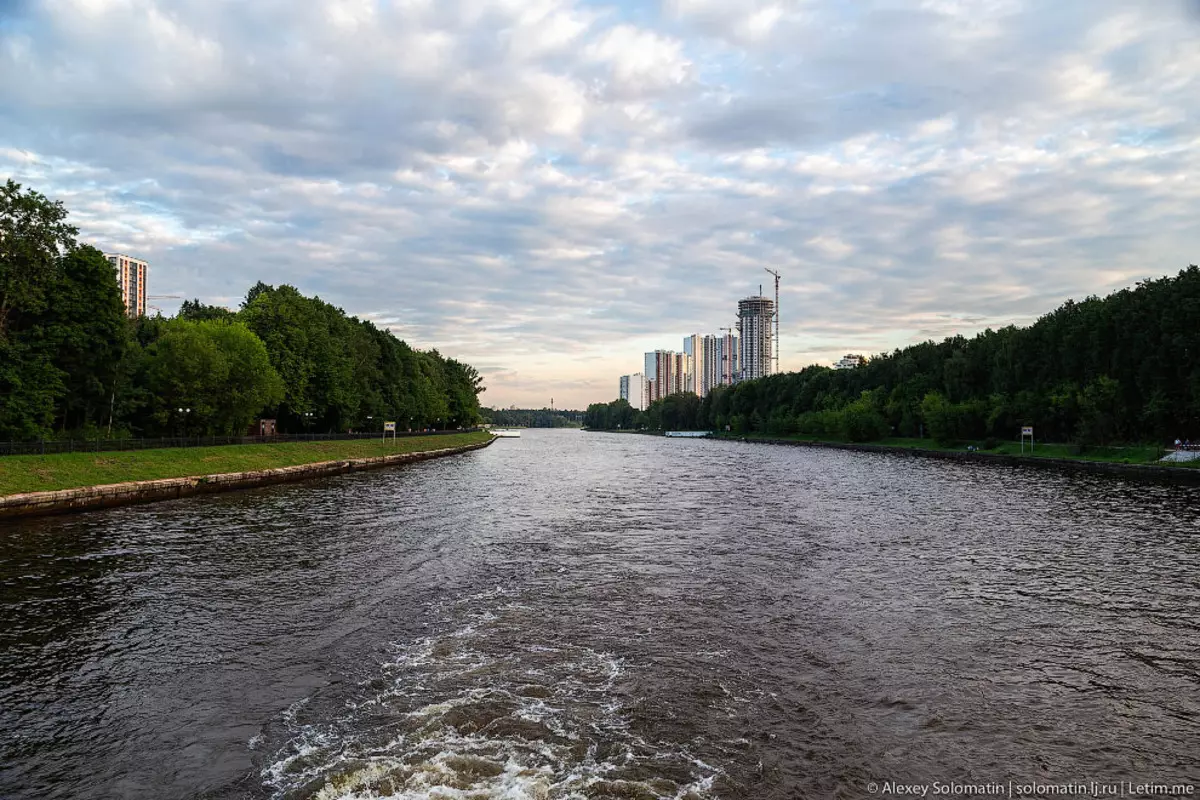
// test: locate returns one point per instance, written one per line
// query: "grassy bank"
(1130, 454)
(72, 470)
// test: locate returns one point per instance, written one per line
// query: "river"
(580, 615)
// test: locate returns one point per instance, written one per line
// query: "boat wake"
(475, 713)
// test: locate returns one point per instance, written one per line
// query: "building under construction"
(756, 316)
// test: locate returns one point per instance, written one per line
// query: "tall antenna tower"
(776, 274)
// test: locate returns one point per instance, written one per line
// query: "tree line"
(1124, 368)
(533, 417)
(73, 363)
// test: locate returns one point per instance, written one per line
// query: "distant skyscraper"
(693, 348)
(666, 372)
(654, 371)
(728, 344)
(708, 371)
(755, 318)
(681, 370)
(131, 277)
(634, 390)
(709, 367)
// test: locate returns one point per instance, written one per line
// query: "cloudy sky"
(547, 188)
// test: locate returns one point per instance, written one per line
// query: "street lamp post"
(183, 412)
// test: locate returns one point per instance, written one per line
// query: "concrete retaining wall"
(121, 494)
(1144, 471)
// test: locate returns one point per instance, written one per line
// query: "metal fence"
(46, 446)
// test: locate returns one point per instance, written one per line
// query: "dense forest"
(532, 417)
(73, 364)
(1125, 368)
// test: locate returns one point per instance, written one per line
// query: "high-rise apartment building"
(131, 277)
(653, 376)
(728, 349)
(666, 371)
(708, 371)
(714, 362)
(693, 348)
(756, 316)
(681, 372)
(634, 389)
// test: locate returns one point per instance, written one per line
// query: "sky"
(546, 189)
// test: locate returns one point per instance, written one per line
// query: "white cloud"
(543, 187)
(640, 61)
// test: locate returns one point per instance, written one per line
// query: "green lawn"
(70, 470)
(1130, 454)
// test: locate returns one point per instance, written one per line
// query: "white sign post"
(1027, 430)
(389, 426)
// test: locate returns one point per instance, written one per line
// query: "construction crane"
(776, 274)
(160, 297)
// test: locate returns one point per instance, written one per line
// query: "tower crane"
(776, 274)
(150, 297)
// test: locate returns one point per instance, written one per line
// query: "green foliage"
(29, 385)
(532, 418)
(88, 333)
(70, 360)
(218, 371)
(34, 236)
(617, 415)
(860, 421)
(62, 325)
(195, 311)
(1101, 411)
(941, 418)
(69, 470)
(1125, 368)
(676, 412)
(339, 371)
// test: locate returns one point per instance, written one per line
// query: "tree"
(196, 311)
(87, 330)
(1100, 411)
(34, 235)
(251, 383)
(219, 372)
(69, 358)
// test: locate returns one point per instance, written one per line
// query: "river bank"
(39, 485)
(1183, 473)
(607, 616)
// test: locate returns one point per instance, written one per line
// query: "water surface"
(575, 615)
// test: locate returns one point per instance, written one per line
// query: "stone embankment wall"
(121, 494)
(1146, 471)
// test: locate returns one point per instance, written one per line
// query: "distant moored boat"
(506, 433)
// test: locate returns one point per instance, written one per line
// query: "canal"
(579, 615)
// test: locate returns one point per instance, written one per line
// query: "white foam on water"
(468, 715)
(439, 778)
